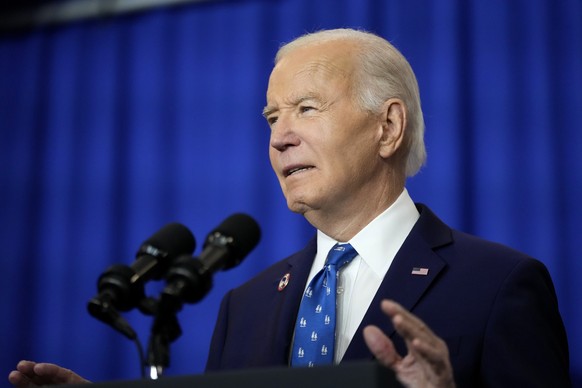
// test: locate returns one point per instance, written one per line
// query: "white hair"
(383, 73)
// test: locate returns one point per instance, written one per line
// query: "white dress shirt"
(377, 245)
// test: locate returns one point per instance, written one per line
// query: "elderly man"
(439, 307)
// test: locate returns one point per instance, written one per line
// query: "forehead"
(315, 67)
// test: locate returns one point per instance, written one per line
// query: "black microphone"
(122, 288)
(155, 255)
(226, 246)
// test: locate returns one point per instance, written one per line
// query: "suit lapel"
(287, 300)
(400, 283)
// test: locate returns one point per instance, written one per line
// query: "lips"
(290, 170)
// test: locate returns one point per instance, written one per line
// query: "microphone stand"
(187, 282)
(165, 330)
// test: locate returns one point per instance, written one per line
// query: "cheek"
(273, 159)
(276, 169)
(359, 160)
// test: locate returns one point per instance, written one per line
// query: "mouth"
(291, 170)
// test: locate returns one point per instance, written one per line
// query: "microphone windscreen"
(173, 239)
(244, 232)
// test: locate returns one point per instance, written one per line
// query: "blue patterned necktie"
(315, 327)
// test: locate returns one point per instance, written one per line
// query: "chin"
(297, 206)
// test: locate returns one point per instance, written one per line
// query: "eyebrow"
(268, 110)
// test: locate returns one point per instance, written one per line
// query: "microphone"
(225, 247)
(122, 288)
(155, 255)
(188, 280)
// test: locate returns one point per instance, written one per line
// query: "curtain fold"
(112, 128)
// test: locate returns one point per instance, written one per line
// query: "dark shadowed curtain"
(111, 128)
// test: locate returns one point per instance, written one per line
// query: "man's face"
(323, 147)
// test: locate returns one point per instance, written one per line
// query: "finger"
(393, 309)
(435, 353)
(56, 374)
(435, 361)
(424, 347)
(24, 375)
(19, 380)
(381, 346)
(28, 375)
(426, 350)
(26, 367)
(422, 344)
(409, 326)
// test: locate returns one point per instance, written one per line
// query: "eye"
(305, 108)
(272, 120)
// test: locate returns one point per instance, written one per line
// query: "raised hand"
(427, 363)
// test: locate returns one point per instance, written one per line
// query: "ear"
(393, 125)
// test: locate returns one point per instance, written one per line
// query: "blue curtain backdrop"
(111, 128)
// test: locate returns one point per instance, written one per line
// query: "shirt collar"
(379, 241)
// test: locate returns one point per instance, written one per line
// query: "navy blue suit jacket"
(495, 308)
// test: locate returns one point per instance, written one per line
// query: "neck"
(345, 222)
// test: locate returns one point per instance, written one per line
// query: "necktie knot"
(340, 255)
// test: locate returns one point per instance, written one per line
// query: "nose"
(283, 135)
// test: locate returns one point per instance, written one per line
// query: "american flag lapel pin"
(419, 271)
(284, 281)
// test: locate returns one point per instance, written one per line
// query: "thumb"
(381, 346)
